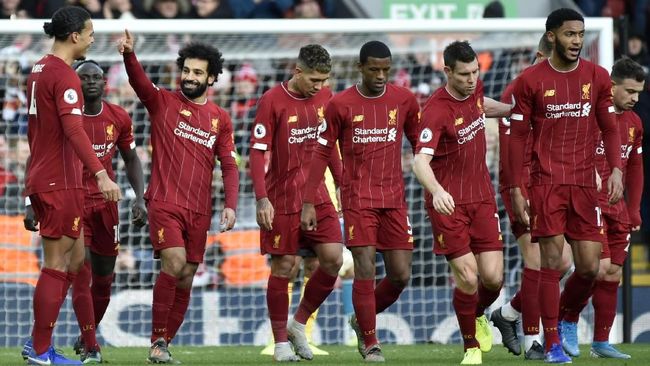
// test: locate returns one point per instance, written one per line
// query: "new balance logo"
(549, 93)
(292, 119)
(357, 118)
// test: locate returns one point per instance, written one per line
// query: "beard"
(562, 53)
(197, 91)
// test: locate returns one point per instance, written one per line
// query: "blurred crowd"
(174, 9)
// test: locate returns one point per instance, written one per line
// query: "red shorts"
(384, 228)
(101, 232)
(617, 242)
(287, 237)
(172, 226)
(471, 228)
(566, 209)
(518, 229)
(59, 212)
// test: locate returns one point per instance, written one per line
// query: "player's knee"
(332, 265)
(401, 280)
(588, 271)
(492, 282)
(468, 282)
(173, 266)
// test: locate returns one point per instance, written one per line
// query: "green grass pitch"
(426, 354)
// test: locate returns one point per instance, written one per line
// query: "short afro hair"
(202, 51)
(559, 16)
(375, 49)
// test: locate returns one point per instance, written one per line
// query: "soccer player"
(109, 127)
(59, 146)
(369, 120)
(450, 164)
(566, 99)
(628, 79)
(525, 303)
(287, 122)
(187, 132)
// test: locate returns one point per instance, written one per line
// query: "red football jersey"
(369, 131)
(287, 125)
(453, 132)
(53, 90)
(566, 110)
(111, 128)
(631, 133)
(185, 137)
(504, 145)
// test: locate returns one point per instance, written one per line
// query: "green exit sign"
(442, 9)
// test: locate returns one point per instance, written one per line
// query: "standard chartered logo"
(371, 135)
(195, 134)
(586, 109)
(568, 110)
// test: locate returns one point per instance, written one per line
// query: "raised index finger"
(127, 34)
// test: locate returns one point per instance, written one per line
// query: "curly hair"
(202, 51)
(315, 57)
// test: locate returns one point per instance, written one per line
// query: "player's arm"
(519, 131)
(229, 172)
(432, 128)
(143, 87)
(126, 144)
(261, 142)
(634, 180)
(412, 122)
(320, 157)
(611, 140)
(30, 221)
(496, 109)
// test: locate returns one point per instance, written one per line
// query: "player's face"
(464, 77)
(92, 81)
(195, 78)
(626, 94)
(568, 40)
(374, 73)
(310, 82)
(84, 40)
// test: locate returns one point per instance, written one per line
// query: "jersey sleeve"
(607, 119)
(67, 94)
(432, 127)
(328, 131)
(520, 121)
(412, 123)
(263, 128)
(125, 140)
(148, 92)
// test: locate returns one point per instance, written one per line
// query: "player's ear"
(74, 36)
(212, 79)
(550, 35)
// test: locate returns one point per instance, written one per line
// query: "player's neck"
(366, 92)
(291, 87)
(63, 52)
(93, 107)
(198, 100)
(456, 95)
(562, 65)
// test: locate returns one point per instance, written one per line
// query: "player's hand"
(109, 189)
(443, 202)
(30, 221)
(339, 207)
(599, 182)
(615, 186)
(635, 220)
(308, 217)
(520, 206)
(228, 219)
(265, 214)
(139, 213)
(126, 43)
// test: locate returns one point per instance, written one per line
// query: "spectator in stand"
(637, 50)
(591, 8)
(312, 9)
(166, 9)
(11, 10)
(118, 9)
(245, 92)
(211, 9)
(6, 176)
(261, 8)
